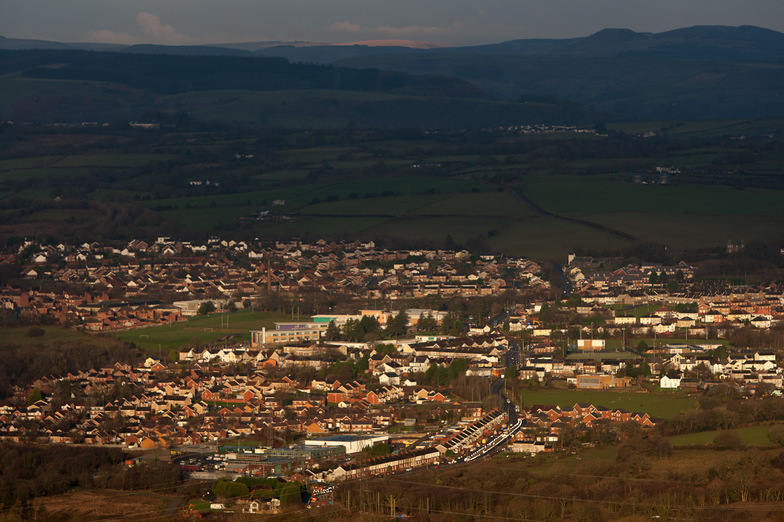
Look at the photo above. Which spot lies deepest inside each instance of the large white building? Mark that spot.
(352, 443)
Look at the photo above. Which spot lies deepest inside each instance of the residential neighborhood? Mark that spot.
(166, 281)
(320, 397)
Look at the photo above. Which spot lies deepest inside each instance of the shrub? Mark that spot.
(776, 435)
(227, 488)
(727, 440)
(35, 331)
(206, 308)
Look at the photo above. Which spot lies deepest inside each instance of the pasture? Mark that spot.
(18, 336)
(408, 187)
(662, 405)
(692, 230)
(571, 195)
(750, 435)
(111, 160)
(550, 238)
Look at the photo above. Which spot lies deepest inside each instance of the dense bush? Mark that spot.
(35, 331)
(727, 440)
(34, 471)
(226, 488)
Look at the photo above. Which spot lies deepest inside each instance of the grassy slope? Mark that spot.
(52, 334)
(750, 435)
(661, 405)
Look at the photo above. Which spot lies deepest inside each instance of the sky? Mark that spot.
(443, 22)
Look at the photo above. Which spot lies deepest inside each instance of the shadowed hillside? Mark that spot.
(50, 86)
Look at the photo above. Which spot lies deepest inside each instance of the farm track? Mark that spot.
(544, 213)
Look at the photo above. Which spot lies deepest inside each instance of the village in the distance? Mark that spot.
(372, 362)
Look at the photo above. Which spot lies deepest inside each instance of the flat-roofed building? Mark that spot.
(352, 443)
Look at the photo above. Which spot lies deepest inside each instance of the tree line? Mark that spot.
(31, 471)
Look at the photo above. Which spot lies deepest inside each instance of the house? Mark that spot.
(387, 379)
(670, 383)
(530, 447)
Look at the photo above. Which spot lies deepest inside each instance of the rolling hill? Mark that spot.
(701, 72)
(50, 86)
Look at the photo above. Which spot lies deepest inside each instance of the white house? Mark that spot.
(668, 383)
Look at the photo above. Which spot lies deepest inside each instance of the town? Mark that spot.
(386, 374)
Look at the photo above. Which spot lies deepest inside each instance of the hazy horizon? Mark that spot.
(457, 22)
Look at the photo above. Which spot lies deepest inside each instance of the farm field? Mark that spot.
(663, 405)
(408, 187)
(434, 230)
(536, 238)
(750, 435)
(698, 127)
(111, 160)
(687, 230)
(389, 206)
(571, 195)
(18, 335)
(478, 204)
(323, 226)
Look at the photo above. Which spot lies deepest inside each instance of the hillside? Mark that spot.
(693, 73)
(50, 86)
(701, 72)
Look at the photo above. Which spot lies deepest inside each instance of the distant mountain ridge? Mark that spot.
(750, 42)
(700, 72)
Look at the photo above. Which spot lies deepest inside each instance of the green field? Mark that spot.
(33, 173)
(201, 330)
(549, 238)
(750, 435)
(435, 229)
(390, 206)
(52, 334)
(699, 127)
(364, 184)
(690, 230)
(660, 405)
(614, 194)
(478, 204)
(318, 226)
(27, 163)
(112, 160)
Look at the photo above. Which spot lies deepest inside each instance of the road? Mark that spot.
(500, 440)
(497, 388)
(565, 282)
